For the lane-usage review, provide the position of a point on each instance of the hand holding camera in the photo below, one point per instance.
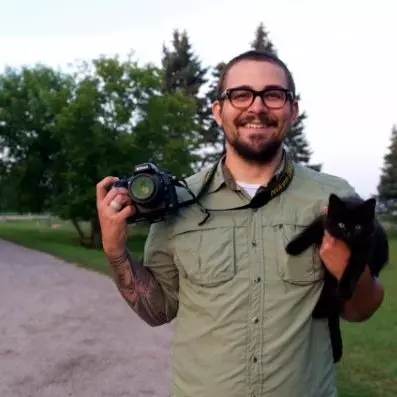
(114, 207)
(148, 195)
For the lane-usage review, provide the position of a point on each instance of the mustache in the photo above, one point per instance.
(263, 118)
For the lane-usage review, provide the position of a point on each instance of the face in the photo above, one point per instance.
(255, 131)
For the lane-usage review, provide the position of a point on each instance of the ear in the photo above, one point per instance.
(335, 205)
(334, 200)
(369, 206)
(217, 112)
(295, 111)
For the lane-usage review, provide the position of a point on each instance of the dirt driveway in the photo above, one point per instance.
(65, 331)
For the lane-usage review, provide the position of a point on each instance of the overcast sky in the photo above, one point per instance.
(341, 53)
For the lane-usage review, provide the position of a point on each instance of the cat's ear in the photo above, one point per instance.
(334, 201)
(369, 206)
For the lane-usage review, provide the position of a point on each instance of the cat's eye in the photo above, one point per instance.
(341, 225)
(358, 227)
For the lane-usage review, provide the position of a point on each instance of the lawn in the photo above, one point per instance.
(369, 364)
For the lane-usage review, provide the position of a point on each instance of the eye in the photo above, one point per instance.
(341, 225)
(357, 228)
(241, 95)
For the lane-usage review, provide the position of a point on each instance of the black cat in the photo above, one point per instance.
(352, 220)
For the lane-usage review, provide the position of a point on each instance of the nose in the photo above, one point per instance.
(257, 106)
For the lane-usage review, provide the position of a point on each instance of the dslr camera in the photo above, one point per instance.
(153, 192)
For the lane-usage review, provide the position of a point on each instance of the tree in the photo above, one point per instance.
(296, 140)
(119, 117)
(183, 72)
(61, 134)
(262, 41)
(30, 100)
(387, 187)
(213, 136)
(182, 69)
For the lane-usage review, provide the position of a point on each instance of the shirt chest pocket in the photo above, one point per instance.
(302, 269)
(206, 257)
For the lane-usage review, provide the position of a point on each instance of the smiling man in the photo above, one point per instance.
(243, 306)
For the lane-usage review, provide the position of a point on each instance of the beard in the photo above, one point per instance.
(260, 149)
(263, 154)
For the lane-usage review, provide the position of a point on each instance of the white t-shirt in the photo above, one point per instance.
(250, 188)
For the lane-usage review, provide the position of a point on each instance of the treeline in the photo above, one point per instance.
(387, 187)
(61, 132)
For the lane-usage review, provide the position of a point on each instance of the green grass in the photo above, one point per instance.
(369, 364)
(61, 240)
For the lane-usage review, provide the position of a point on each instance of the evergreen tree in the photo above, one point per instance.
(182, 69)
(296, 141)
(387, 187)
(184, 72)
(213, 135)
(262, 41)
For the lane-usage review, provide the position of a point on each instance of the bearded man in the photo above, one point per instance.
(243, 306)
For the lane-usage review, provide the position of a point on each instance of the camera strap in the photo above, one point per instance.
(264, 194)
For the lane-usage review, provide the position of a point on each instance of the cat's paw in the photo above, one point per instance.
(293, 248)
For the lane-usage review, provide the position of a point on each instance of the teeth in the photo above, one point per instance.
(251, 125)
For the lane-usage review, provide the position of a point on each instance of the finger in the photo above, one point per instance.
(102, 187)
(123, 200)
(120, 201)
(113, 193)
(126, 212)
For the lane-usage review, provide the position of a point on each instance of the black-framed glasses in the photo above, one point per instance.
(243, 97)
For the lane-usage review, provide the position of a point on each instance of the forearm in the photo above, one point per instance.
(366, 300)
(140, 290)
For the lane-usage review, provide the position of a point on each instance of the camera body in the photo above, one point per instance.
(153, 192)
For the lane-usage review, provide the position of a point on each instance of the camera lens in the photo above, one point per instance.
(145, 190)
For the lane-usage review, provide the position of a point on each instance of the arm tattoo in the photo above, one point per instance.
(140, 289)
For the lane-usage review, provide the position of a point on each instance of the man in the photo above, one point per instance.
(243, 306)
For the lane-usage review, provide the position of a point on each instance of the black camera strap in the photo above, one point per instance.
(264, 194)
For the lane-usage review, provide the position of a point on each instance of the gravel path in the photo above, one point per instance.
(66, 331)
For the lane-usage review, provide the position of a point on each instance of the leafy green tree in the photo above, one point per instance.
(30, 99)
(60, 134)
(118, 117)
(387, 187)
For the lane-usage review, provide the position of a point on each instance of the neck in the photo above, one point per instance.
(246, 172)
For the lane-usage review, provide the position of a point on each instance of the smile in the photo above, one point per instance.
(251, 125)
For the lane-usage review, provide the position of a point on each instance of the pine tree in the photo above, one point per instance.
(182, 69)
(214, 139)
(296, 142)
(387, 187)
(184, 72)
(262, 41)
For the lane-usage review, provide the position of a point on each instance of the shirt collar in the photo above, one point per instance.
(223, 176)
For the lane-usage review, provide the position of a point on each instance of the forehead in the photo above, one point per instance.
(256, 74)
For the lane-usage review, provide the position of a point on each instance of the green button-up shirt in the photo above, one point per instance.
(243, 307)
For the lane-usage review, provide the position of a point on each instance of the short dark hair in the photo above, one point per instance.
(254, 55)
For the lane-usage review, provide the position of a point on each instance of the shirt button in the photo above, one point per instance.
(258, 280)
(255, 320)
